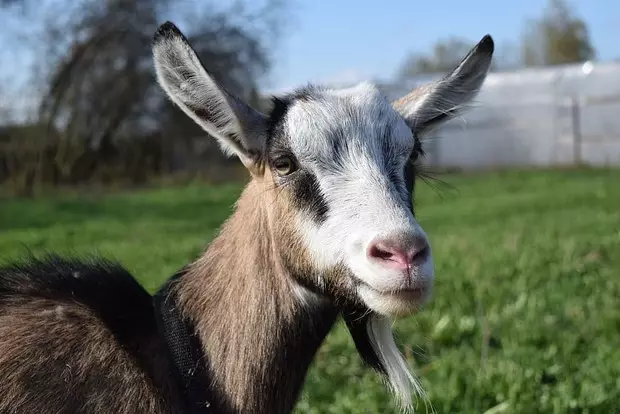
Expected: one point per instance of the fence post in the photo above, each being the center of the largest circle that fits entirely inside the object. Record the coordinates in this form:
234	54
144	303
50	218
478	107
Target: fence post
576	128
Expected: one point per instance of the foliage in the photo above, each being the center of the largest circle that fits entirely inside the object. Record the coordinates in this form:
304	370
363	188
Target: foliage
557	37
525	314
444	57
99	91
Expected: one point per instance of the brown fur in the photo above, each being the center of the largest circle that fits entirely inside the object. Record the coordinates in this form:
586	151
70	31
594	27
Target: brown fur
58	355
411	98
258	352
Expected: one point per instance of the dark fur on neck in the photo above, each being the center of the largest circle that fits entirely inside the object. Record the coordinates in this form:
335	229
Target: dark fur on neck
357	323
258	332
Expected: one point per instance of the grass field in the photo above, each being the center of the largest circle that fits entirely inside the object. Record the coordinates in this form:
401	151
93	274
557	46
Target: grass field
526	312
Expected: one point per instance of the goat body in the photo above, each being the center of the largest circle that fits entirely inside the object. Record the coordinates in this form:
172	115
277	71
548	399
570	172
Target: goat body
81	336
325	227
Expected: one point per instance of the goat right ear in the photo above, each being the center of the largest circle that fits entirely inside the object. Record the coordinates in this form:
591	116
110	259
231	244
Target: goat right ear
240	129
429	106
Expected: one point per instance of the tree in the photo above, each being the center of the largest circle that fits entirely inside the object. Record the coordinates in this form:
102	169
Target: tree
557	37
445	56
97	80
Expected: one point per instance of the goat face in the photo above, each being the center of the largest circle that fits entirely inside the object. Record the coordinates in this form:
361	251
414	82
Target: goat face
341	164
345	158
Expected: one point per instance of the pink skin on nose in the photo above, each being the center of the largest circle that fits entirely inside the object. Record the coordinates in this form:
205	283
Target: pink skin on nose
390	254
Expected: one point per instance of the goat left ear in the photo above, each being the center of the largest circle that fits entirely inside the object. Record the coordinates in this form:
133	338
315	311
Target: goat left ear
430	105
239	129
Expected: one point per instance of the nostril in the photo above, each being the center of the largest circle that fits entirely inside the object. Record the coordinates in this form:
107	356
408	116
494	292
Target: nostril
388	254
399	253
378	251
420	253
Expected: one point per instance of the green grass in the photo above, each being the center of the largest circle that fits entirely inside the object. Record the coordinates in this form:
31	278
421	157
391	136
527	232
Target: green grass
526	312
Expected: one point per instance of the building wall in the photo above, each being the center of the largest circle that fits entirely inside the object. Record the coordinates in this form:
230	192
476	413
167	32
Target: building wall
535	117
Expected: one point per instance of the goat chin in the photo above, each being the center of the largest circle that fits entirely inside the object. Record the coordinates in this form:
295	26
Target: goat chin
400	304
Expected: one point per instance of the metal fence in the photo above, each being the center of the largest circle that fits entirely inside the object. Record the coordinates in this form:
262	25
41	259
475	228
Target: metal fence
564	115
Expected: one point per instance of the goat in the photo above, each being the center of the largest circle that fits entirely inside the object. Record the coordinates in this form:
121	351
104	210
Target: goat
325	228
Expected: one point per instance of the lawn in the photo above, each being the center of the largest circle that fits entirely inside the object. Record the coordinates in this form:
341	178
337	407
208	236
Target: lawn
526	312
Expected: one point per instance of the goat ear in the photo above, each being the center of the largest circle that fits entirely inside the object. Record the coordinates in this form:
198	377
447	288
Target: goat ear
430	105
239	129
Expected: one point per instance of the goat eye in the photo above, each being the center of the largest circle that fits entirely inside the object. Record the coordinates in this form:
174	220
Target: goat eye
284	166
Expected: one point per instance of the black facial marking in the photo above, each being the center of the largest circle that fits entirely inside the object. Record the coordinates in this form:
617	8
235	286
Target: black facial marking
410	169
275	128
386	146
338	148
307	196
410	181
277	141
303	184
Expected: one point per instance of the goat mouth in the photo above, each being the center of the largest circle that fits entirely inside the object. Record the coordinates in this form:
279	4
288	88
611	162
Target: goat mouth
415	296
395	302
414	293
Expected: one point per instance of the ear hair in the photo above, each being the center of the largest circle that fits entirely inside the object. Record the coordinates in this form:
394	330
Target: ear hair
428	106
239	129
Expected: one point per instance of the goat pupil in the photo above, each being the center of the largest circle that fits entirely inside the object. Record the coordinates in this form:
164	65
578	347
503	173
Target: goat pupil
284	165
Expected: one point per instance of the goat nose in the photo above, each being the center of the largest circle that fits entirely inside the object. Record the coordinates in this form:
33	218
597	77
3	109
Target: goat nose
399	253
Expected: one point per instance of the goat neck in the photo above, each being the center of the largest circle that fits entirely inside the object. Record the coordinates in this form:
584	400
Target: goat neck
259	328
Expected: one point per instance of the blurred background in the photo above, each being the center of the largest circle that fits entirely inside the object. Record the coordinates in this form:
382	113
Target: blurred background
523	207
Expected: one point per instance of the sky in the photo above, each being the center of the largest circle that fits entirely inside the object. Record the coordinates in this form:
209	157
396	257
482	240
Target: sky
353	40
347	41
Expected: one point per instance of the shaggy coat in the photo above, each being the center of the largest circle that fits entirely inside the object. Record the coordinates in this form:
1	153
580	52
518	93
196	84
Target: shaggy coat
325	228
81	337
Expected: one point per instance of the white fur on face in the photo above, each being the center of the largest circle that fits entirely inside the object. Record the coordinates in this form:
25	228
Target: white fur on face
356	145
353	147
